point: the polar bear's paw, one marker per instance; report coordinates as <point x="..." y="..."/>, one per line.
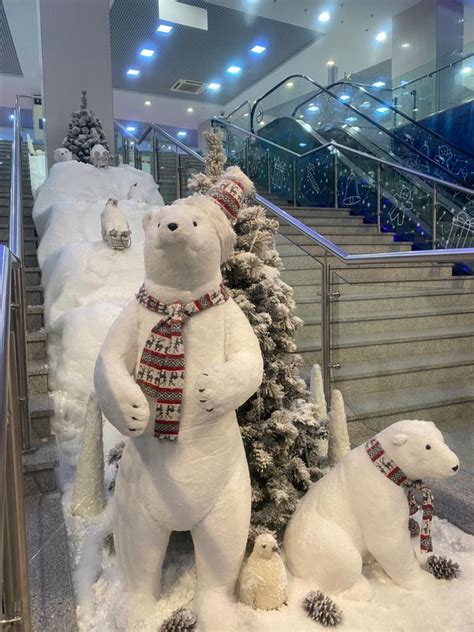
<point x="131" y="610"/>
<point x="210" y="392"/>
<point x="362" y="590"/>
<point x="207" y="603"/>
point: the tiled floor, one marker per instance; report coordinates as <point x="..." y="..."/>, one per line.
<point x="454" y="498"/>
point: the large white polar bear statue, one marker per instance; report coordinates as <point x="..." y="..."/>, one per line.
<point x="360" y="509"/>
<point x="175" y="365"/>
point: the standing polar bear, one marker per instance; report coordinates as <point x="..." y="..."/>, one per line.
<point x="174" y="367"/>
<point x="360" y="508"/>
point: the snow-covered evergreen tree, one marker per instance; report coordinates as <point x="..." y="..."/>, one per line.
<point x="215" y="161"/>
<point x="284" y="436"/>
<point x="85" y="130"/>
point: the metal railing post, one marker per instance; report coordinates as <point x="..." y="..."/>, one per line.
<point x="336" y="178"/>
<point x="246" y="155"/>
<point x="294" y="181"/>
<point x="379" y="199"/>
<point x="326" y="327"/>
<point x="178" y="174"/>
<point x="155" y="166"/>
<point x="434" y="217"/>
<point x="269" y="172"/>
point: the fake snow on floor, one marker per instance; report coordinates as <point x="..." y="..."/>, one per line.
<point x="86" y="286"/>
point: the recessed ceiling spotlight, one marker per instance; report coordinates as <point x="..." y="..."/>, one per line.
<point x="466" y="70"/>
<point x="258" y="49"/>
<point x="302" y="144"/>
<point x="406" y="45"/>
<point x="246" y="113"/>
<point x="164" y="28"/>
<point x="331" y="62"/>
<point x="214" y="86"/>
<point x="190" y="110"/>
<point x="313" y="108"/>
<point x="133" y="72"/>
<point x="234" y="70"/>
<point x="147" y="52"/>
<point x="381" y="37"/>
<point x="381" y="109"/>
<point x="182" y="133"/>
<point x="345" y="97"/>
<point x="289" y="84"/>
<point x="131" y="128"/>
<point x="378" y="84"/>
<point x="147" y="102"/>
<point x="325" y="16"/>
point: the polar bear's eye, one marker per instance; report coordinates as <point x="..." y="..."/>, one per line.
<point x="427" y="446"/>
<point x="264" y="546"/>
<point x="194" y="223"/>
<point x="159" y="225"/>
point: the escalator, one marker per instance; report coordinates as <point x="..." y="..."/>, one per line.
<point x="300" y="116"/>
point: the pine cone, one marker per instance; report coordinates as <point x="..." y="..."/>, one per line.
<point x="322" y="609"/>
<point x="413" y="527"/>
<point x="442" y="567"/>
<point x="181" y="620"/>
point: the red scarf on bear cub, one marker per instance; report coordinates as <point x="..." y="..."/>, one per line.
<point x="162" y="364"/>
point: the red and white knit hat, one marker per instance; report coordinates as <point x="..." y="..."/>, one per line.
<point x="230" y="191"/>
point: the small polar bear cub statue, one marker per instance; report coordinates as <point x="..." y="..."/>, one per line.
<point x="356" y="512"/>
<point x="199" y="481"/>
<point x="61" y="154"/>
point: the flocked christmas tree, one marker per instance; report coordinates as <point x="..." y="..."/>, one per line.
<point x="215" y="161"/>
<point x="284" y="437"/>
<point x="84" y="131"/>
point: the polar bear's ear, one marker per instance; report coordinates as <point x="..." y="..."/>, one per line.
<point x="400" y="438"/>
<point x="147" y="217"/>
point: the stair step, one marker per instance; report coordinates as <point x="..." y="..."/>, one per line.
<point x="28" y="233"/>
<point x="53" y="607"/>
<point x="38" y="467"/>
<point x="32" y="276"/>
<point x="38" y="377"/>
<point x="35" y="313"/>
<point x="385" y="374"/>
<point x="314" y="222"/>
<point x="435" y="402"/>
<point x="41" y="411"/>
<point x="36" y="344"/>
<point x="300" y="260"/>
<point x="394" y="344"/>
<point x="329" y="231"/>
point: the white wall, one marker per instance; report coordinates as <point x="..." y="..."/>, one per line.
<point x="74" y="59"/>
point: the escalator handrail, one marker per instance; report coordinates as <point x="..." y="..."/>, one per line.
<point x="391" y="107"/>
<point x="344" y="148"/>
<point x="352" y="109"/>
<point x="246" y="103"/>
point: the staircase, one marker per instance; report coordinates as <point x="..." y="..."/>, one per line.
<point x="167" y="173"/>
<point x="403" y="335"/>
<point x="52" y="600"/>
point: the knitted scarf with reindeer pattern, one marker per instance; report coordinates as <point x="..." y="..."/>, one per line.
<point x="160" y="373"/>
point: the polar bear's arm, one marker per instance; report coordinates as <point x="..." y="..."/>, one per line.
<point x="120" y="398"/>
<point x="226" y="387"/>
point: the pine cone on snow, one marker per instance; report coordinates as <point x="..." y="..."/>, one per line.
<point x="181" y="620"/>
<point x="322" y="609"/>
<point x="443" y="567"/>
<point x="413" y="527"/>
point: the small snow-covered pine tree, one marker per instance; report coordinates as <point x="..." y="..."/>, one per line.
<point x="84" y="131"/>
<point x="215" y="161"/>
<point x="285" y="438"/>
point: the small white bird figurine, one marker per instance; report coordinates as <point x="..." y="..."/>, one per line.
<point x="263" y="582"/>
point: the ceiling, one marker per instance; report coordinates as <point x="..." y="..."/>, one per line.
<point x="199" y="54"/>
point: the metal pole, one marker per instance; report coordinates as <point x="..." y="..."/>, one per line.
<point x="246" y="155"/>
<point x="294" y="182"/>
<point x="336" y="178"/>
<point x="326" y="327"/>
<point x="434" y="218"/>
<point x="16" y="593"/>
<point x="177" y="174"/>
<point x="155" y="169"/>
<point x="269" y="172"/>
<point x="379" y="200"/>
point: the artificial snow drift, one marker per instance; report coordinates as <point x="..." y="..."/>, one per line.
<point x="86" y="286"/>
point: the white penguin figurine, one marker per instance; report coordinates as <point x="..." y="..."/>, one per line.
<point x="263" y="582"/>
<point x="114" y="226"/>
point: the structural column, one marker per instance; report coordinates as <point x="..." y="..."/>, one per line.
<point x="75" y="56"/>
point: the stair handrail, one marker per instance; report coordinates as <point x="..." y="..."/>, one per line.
<point x="245" y="103"/>
<point x="344" y="148"/>
<point x="355" y="111"/>
<point x="153" y="126"/>
<point x="390" y="106"/>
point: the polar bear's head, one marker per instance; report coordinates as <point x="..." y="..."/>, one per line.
<point x="186" y="242"/>
<point x="61" y="154"/>
<point x="419" y="450"/>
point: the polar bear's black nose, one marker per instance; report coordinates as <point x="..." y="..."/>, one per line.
<point x="455" y="468"/>
<point x="172" y="226"/>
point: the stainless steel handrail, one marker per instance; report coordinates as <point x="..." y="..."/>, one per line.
<point x="244" y="103"/>
<point x="14" y="594"/>
<point x="355" y="111"/>
<point x="336" y="145"/>
<point x="15" y="237"/>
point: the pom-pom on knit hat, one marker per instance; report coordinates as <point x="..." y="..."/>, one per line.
<point x="230" y="191"/>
